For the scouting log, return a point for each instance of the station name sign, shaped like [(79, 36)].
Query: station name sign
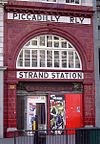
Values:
[(49, 75), (48, 18)]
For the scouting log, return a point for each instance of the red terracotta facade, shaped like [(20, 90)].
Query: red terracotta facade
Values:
[(17, 33)]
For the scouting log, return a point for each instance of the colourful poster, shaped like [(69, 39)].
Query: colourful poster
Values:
[(32, 110), (32, 113), (57, 111)]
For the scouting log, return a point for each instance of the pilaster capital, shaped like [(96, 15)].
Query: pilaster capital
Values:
[(12, 82), (3, 68)]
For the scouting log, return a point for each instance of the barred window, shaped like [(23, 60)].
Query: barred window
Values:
[(49, 52), (56, 1)]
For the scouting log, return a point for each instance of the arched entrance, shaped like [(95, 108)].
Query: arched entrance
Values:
[(45, 58)]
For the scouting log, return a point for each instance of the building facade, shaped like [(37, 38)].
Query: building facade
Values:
[(1, 71), (2, 67), (49, 55), (97, 59)]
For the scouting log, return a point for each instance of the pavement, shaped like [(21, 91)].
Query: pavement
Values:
[(6, 140), (49, 140)]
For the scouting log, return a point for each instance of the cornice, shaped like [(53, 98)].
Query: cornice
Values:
[(3, 68), (50, 9)]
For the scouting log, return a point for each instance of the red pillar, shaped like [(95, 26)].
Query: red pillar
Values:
[(10, 1), (11, 121), (89, 105)]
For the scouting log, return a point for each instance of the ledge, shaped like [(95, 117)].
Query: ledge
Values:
[(3, 68), (49, 8)]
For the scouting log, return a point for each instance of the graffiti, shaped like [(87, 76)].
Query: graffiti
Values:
[(57, 112)]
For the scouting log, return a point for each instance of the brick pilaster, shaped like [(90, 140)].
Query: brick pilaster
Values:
[(11, 121)]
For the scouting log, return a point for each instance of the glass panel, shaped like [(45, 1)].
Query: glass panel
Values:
[(56, 41), (70, 46), (71, 60), (49, 41), (34, 42), (42, 40), (72, 1), (49, 0), (69, 1), (28, 44), (49, 58), (34, 58), (77, 62), (57, 1), (77, 1), (64, 59), (56, 58), (61, 1), (42, 58), (47, 55), (27, 58), (20, 59), (63, 43)]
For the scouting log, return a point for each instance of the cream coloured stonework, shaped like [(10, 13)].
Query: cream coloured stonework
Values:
[(1, 71)]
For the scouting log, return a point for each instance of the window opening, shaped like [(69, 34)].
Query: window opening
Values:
[(49, 52), (56, 1), (40, 112), (32, 100)]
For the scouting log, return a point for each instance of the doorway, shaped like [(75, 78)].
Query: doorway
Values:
[(74, 111), (36, 107), (65, 111), (48, 101)]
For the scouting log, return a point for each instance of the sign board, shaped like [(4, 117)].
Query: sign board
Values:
[(49, 75), (49, 18), (52, 86)]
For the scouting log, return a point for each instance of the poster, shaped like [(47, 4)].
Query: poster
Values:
[(32, 109), (57, 112), (31, 114)]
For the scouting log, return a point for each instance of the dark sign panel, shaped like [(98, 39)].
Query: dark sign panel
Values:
[(52, 86)]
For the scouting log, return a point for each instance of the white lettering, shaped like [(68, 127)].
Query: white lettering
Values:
[(49, 75)]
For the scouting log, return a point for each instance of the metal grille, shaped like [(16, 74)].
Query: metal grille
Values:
[(65, 136)]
